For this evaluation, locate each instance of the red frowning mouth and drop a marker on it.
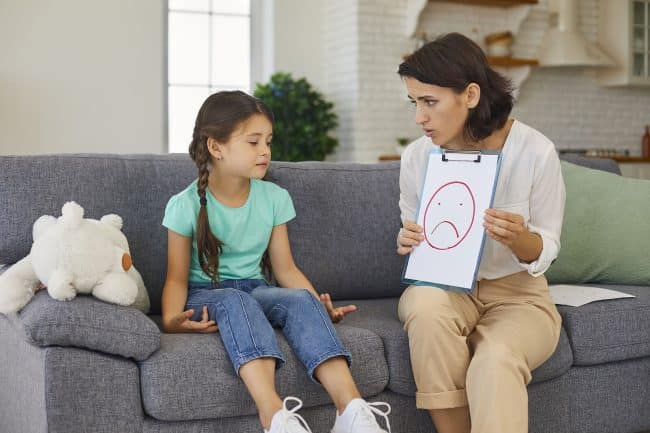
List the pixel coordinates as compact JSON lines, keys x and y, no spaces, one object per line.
{"x":453,"y":226}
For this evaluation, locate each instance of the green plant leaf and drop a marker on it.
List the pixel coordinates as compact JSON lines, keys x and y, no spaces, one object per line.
{"x":303,"y":119}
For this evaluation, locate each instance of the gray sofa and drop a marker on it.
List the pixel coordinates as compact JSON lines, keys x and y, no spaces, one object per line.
{"x":87,"y":366}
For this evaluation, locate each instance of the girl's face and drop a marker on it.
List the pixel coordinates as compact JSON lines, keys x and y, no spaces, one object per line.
{"x":441,"y":112}
{"x":248,"y":151}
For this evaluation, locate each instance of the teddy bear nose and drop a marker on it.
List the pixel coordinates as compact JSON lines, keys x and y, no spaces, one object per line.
{"x":126,"y":262}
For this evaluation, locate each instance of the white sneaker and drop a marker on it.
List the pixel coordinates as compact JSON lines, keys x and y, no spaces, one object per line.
{"x":359,"y":417}
{"x":288,"y":421}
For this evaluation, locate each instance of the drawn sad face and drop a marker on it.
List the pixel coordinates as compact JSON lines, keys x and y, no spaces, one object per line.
{"x":449,"y":215}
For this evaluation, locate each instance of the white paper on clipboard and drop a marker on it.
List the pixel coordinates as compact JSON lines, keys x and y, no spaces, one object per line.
{"x":458,"y":188}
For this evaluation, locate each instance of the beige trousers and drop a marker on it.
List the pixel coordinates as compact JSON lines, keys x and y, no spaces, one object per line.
{"x":478,"y":349}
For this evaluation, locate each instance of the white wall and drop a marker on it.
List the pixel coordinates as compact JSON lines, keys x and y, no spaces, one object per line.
{"x":82,"y":76}
{"x":567,"y":104}
{"x":343,"y":73}
{"x":299,"y":39}
{"x":89,"y":75}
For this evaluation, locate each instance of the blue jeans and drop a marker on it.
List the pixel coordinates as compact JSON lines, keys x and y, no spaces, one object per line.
{"x":246,"y":312}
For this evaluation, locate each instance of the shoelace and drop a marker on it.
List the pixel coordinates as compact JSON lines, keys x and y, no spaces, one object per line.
{"x":372,"y":408}
{"x":288,"y":415}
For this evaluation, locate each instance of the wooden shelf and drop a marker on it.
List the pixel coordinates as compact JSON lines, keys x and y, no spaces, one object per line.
{"x":415,"y":7}
{"x":499,"y":3}
{"x":391,"y":157}
{"x":510,"y":62}
{"x":628,"y":158}
{"x":517,"y":70}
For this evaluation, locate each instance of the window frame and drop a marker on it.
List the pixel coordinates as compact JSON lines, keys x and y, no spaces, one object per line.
{"x":261,"y":54}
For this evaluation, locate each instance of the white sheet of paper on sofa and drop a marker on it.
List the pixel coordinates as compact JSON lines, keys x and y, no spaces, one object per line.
{"x":457,"y":190}
{"x":575,"y":296}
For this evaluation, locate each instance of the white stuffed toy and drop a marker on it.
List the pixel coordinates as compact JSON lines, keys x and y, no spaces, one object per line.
{"x":72,"y":254}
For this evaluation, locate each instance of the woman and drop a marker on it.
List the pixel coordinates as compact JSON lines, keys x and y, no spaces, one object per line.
{"x":472,"y":354}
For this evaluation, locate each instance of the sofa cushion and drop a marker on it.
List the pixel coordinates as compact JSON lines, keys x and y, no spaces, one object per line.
{"x":331,"y":200}
{"x":191,"y":376}
{"x":600,"y":241}
{"x":612,"y":330}
{"x":380,"y":316}
{"x":344,"y":234}
{"x":140,"y":186}
{"x":89,"y":323}
{"x":604,"y":164}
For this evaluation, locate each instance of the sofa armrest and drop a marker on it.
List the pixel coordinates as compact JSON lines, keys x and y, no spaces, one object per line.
{"x":65,"y":389}
{"x":89,"y":323}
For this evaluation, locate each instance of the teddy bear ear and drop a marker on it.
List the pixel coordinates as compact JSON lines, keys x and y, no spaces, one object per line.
{"x":113,"y":220}
{"x":42,"y":225}
{"x":71,"y":214}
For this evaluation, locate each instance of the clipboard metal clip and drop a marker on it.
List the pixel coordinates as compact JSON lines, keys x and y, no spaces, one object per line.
{"x":463,"y":155}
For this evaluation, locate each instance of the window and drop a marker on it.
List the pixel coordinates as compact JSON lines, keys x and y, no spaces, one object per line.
{"x":209,"y":49}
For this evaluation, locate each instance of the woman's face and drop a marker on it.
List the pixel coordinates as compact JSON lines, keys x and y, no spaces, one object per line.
{"x":440,"y":111}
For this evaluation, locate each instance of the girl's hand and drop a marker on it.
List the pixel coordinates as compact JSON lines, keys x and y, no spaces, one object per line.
{"x":504,"y":227}
{"x":181,"y":323}
{"x":409,"y":237}
{"x":336,"y":314}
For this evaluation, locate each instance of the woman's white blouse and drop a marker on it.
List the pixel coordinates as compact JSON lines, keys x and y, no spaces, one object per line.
{"x":530,"y":184}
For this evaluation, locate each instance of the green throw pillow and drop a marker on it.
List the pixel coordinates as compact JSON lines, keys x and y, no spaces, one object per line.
{"x":606,"y":229}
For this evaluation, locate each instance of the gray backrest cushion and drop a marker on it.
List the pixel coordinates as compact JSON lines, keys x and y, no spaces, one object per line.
{"x":343,"y":237}
{"x":136,"y":187}
{"x":598,"y":163}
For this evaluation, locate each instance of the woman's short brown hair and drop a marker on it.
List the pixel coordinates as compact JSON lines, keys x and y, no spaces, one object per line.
{"x":455,"y":61}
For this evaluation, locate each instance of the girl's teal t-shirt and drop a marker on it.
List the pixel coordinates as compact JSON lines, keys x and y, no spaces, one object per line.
{"x":245,"y":231}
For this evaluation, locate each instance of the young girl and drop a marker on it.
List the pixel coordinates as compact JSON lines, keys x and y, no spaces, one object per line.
{"x":219,"y":228}
{"x":472,"y":354}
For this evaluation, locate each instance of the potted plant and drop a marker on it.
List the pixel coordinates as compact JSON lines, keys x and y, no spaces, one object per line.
{"x":401,"y":144}
{"x":303,"y":119}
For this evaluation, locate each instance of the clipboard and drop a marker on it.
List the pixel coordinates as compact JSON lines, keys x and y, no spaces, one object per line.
{"x":458,"y":187}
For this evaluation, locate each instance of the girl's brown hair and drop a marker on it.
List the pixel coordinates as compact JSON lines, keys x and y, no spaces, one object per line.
{"x":455,"y":61}
{"x":219,"y":116}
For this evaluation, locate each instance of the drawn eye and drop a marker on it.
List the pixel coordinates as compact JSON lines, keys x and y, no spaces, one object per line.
{"x":460,"y":204}
{"x":438,"y":203}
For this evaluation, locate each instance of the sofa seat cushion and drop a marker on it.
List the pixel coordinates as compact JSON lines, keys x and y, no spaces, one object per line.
{"x":380,"y":316}
{"x":612,"y":330}
{"x":191,"y":376}
{"x":89,"y":323}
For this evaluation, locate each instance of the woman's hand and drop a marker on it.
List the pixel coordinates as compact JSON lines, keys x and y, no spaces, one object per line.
{"x":181,"y":323}
{"x":336,"y":314}
{"x":409,"y":237}
{"x":509,"y":229}
{"x":504,"y":227}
